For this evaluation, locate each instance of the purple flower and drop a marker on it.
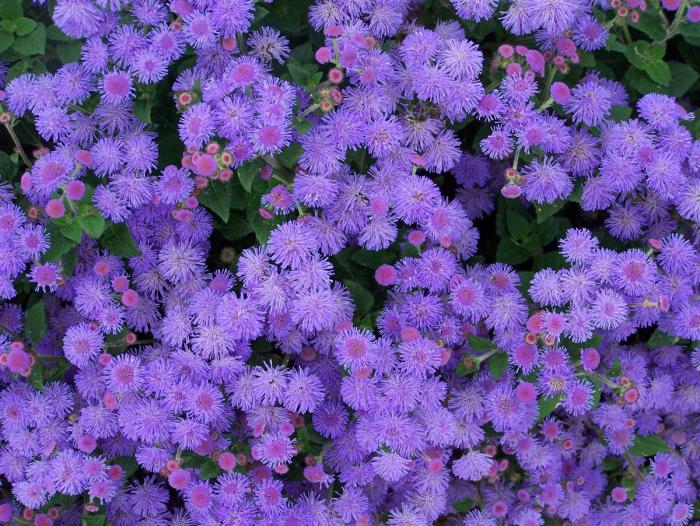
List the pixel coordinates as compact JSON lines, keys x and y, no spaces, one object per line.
{"x":174,"y":185}
{"x":474,"y":465}
{"x":179,"y":262}
{"x":196,"y":125}
{"x":77,"y":18}
{"x":81,"y":344}
{"x":268,"y":44}
{"x":588,"y":34}
{"x":590,"y":102}
{"x":291,"y":244}
{"x":608,"y":309}
{"x":546,"y":181}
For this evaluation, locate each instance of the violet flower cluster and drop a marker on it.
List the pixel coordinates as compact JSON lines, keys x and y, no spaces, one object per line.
{"x":149,"y":376}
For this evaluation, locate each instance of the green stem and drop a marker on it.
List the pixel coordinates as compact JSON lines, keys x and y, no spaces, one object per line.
{"x":626,"y":32}
{"x":308,"y":110}
{"x":548,"y":83}
{"x":45,"y":358}
{"x":242,"y":48}
{"x":336,"y":52}
{"x":483,"y":357}
{"x":633,"y":466}
{"x":276,"y":165}
{"x":546,"y":104}
{"x":280,"y":179}
{"x":605,"y":380}
{"x":680,"y":16}
{"x":516,"y":157}
{"x":18,"y":145}
{"x":10,"y":332}
{"x":492,"y":86}
{"x":611,"y":23}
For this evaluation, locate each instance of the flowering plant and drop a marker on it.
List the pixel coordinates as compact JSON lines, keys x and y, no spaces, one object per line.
{"x":363,"y":262}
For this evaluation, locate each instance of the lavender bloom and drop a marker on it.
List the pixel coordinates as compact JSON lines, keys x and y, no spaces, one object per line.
{"x":349,"y":324}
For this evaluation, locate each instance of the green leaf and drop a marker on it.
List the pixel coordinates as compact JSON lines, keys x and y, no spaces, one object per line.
{"x":24,"y":26}
{"x":518,"y":225}
{"x":649,"y":24}
{"x":217,"y":198}
{"x":261,"y":227}
{"x":373,"y":258}
{"x":364,"y":300}
{"x":68,"y":262}
{"x":613,"y":44}
{"x":648,"y":446}
{"x":314,"y":80}
{"x":93,"y":519}
{"x":303,"y":53}
{"x":32,"y":44}
{"x":297,"y":72}
{"x":260,"y":13}
{"x":6,"y":40}
{"x":8,"y":168}
{"x":301,"y":74}
{"x":117,"y":241}
{"x":525,"y":279}
{"x":659,"y":72}
{"x":637,"y":53}
{"x":127,"y":463}
{"x":462,"y":370}
{"x":248,"y":172}
{"x":36,"y":377}
{"x":547,"y":210}
{"x":546,"y":405}
{"x":509,"y":251}
{"x":660,"y":339}
{"x":93,"y":225}
{"x":55,"y":34}
{"x":657,"y":50}
{"x":498,"y":364}
{"x":235,"y":230}
{"x":463,"y":505}
{"x":689,"y":30}
{"x":72,"y":231}
{"x":550,"y":230}
{"x":683,"y":77}
{"x":238,"y":196}
{"x":209,"y":470}
{"x":620,"y":113}
{"x":10,"y":9}
{"x":479,"y":344}
{"x":615,"y":369}
{"x":35,"y":322}
{"x":142,"y":109}
{"x":68,"y":52}
{"x":649,"y":58}
{"x":60,"y":245}
{"x":611,"y":464}
{"x":302,"y":126}
{"x":290,"y":18}
{"x":290,"y":155}
{"x":596,"y":393}
{"x":586,"y":60}
{"x":16,"y":70}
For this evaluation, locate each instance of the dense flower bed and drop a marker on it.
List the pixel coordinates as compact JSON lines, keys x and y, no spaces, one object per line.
{"x":397,"y":262}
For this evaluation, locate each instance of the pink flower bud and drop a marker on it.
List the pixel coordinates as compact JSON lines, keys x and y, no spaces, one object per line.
{"x":55,"y":209}
{"x":323,"y":55}
{"x":75,"y":190}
